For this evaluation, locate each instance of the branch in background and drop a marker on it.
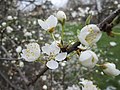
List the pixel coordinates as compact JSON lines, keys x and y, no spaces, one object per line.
{"x":5,"y":78}
{"x":12,"y":59}
{"x":20,"y":72}
{"x":106,"y":24}
{"x":38,"y":76}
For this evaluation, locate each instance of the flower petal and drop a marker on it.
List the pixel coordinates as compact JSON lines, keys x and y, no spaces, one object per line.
{"x":82,"y":37}
{"x":46,"y":49}
{"x":54,"y":48}
{"x":88,"y":58}
{"x":27,"y":56}
{"x":85,"y":56}
{"x":61,"y":56}
{"x":51,"y":21}
{"x":32,"y":52}
{"x":89,"y":34}
{"x":52,"y":64}
{"x":43,"y":24}
{"x":111,"y":69}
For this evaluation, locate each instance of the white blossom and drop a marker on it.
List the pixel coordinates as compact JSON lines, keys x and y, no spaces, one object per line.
{"x":19,"y":49}
{"x":110,"y":69}
{"x":88,"y":58}
{"x":111,"y":88}
{"x":49,"y":23}
{"x":113,"y":44}
{"x":9,"y":29}
{"x":73,"y":87}
{"x":53,"y":51}
{"x":118,"y":5}
{"x":61,"y":16}
{"x":45,"y":87}
{"x":15,"y":17}
{"x":63,"y":63}
{"x":44,"y":77}
{"x":32,"y":52}
{"x":88,"y":85}
{"x":74,"y":14}
{"x":27,"y":34}
{"x":89,"y":35}
{"x":115,"y":2}
{"x":93,"y":12}
{"x":21,"y":64}
{"x":10,"y":18}
{"x":4,"y":24}
{"x":52,"y":64}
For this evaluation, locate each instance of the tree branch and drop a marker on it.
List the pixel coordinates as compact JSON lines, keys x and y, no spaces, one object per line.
{"x":106,"y":25}
{"x":20,"y":72}
{"x":38,"y":76}
{"x":5,"y":78}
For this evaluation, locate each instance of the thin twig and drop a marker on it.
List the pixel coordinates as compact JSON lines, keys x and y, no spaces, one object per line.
{"x":5,"y":78}
{"x":20,"y":72}
{"x":38,"y":76}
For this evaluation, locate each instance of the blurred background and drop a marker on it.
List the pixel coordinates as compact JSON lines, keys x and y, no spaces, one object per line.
{"x":19,"y":26}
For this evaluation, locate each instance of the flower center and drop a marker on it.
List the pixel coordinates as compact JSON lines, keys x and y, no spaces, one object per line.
{"x":91,"y":36}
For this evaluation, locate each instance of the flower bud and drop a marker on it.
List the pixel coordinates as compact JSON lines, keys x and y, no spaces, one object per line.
{"x":88,"y":59}
{"x":61,"y":16}
{"x":19,"y":49}
{"x":45,"y":87}
{"x":10,"y":18}
{"x":4,"y":24}
{"x":9,"y":29}
{"x":110,"y":69}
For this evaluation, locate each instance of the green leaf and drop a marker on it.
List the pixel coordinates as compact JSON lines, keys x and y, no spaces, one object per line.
{"x":78,"y":31}
{"x":88,"y":20}
{"x":116,"y":20}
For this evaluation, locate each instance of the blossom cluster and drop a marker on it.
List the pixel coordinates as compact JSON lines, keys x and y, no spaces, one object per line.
{"x":88,"y":36}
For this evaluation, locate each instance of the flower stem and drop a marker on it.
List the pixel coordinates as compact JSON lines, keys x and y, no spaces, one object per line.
{"x":115,"y":33}
{"x":62,"y":36}
{"x":52,"y":35}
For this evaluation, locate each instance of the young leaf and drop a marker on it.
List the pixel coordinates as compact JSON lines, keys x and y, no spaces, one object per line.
{"x":88,"y":19}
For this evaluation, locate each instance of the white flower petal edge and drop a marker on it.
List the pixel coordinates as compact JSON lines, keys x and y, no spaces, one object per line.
{"x":88,"y":58}
{"x":43,"y":24}
{"x":113,"y":44}
{"x":88,"y":85}
{"x":61,"y":56}
{"x":110,"y":69}
{"x":52,"y":49}
{"x":46,"y":49}
{"x":89,"y":34}
{"x":82,"y":47}
{"x":52,"y":64}
{"x":32,"y":52}
{"x":50,"y":23}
